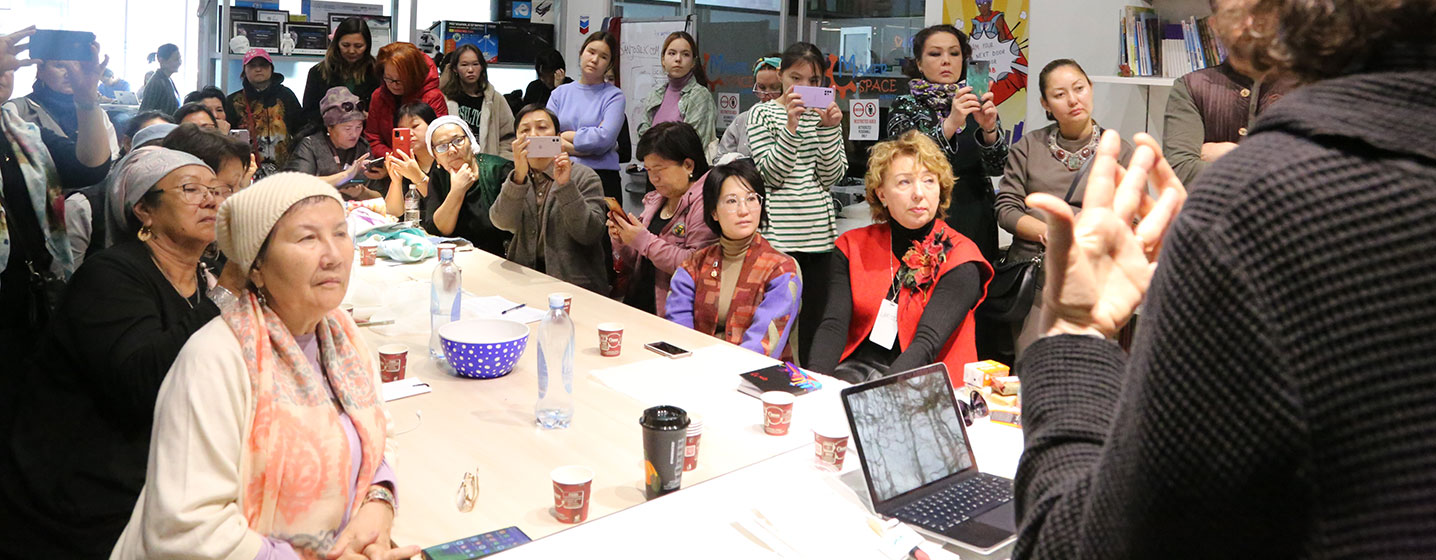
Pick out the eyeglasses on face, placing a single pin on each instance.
(393, 81)
(456, 143)
(195, 193)
(730, 204)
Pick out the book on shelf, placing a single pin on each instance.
(1149, 47)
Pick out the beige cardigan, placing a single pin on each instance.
(495, 123)
(190, 506)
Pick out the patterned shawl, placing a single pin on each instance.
(295, 466)
(43, 184)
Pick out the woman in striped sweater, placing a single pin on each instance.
(799, 151)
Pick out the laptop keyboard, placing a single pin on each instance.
(944, 509)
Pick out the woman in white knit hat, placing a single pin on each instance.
(463, 186)
(251, 458)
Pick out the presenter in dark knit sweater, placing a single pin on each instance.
(902, 289)
(1277, 402)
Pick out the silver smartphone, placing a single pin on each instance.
(545, 146)
(666, 349)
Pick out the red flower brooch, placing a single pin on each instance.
(922, 262)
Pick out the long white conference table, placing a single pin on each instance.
(487, 427)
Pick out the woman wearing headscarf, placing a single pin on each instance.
(462, 187)
(122, 321)
(338, 153)
(270, 436)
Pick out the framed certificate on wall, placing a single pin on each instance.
(309, 38)
(260, 34)
(274, 16)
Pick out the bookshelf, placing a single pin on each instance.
(1156, 81)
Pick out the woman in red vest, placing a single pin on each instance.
(903, 289)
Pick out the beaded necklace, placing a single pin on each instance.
(1074, 160)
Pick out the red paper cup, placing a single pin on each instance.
(690, 446)
(571, 486)
(830, 445)
(777, 412)
(393, 360)
(567, 302)
(610, 339)
(368, 253)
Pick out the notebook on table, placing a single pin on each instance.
(919, 468)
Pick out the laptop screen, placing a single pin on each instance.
(907, 430)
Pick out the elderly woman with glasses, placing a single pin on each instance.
(741, 290)
(462, 187)
(76, 444)
(767, 85)
(338, 154)
(269, 435)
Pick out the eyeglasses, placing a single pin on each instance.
(730, 204)
(760, 92)
(194, 193)
(393, 81)
(444, 147)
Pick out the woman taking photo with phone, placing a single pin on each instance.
(591, 111)
(799, 150)
(347, 63)
(409, 166)
(649, 248)
(741, 290)
(407, 76)
(685, 96)
(962, 124)
(465, 83)
(554, 208)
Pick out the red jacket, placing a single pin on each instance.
(869, 253)
(384, 107)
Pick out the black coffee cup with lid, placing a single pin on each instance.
(665, 429)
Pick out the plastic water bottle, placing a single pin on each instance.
(411, 206)
(555, 358)
(445, 296)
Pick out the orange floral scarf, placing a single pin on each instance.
(295, 466)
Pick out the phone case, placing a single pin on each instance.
(403, 139)
(815, 97)
(545, 146)
(978, 72)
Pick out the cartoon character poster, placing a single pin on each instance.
(997, 30)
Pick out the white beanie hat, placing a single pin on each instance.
(449, 119)
(246, 218)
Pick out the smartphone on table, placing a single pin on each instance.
(667, 349)
(55, 44)
(545, 146)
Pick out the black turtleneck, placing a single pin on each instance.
(60, 106)
(955, 294)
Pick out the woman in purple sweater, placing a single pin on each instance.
(591, 111)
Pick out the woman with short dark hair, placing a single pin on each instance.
(1275, 401)
(741, 290)
(551, 70)
(197, 114)
(212, 98)
(649, 248)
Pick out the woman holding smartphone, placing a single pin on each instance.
(799, 150)
(408, 165)
(964, 125)
(591, 111)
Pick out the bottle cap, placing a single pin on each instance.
(556, 301)
(446, 251)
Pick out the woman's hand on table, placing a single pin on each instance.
(366, 537)
(1099, 264)
(623, 232)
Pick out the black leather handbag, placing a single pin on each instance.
(1014, 282)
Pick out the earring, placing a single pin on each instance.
(145, 235)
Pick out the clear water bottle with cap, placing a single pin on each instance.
(411, 206)
(445, 294)
(555, 361)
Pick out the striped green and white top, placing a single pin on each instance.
(799, 170)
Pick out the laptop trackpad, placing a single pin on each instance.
(989, 529)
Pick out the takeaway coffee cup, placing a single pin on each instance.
(368, 253)
(690, 446)
(777, 412)
(393, 360)
(610, 339)
(665, 431)
(572, 486)
(830, 445)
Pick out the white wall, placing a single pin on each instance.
(569, 39)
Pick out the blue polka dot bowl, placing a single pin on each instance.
(483, 348)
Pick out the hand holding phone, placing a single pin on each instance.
(978, 76)
(616, 209)
(545, 146)
(818, 98)
(403, 139)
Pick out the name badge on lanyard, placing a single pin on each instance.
(885, 328)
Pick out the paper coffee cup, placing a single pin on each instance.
(610, 339)
(777, 412)
(567, 302)
(690, 446)
(830, 445)
(368, 253)
(393, 361)
(572, 486)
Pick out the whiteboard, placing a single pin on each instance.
(640, 63)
